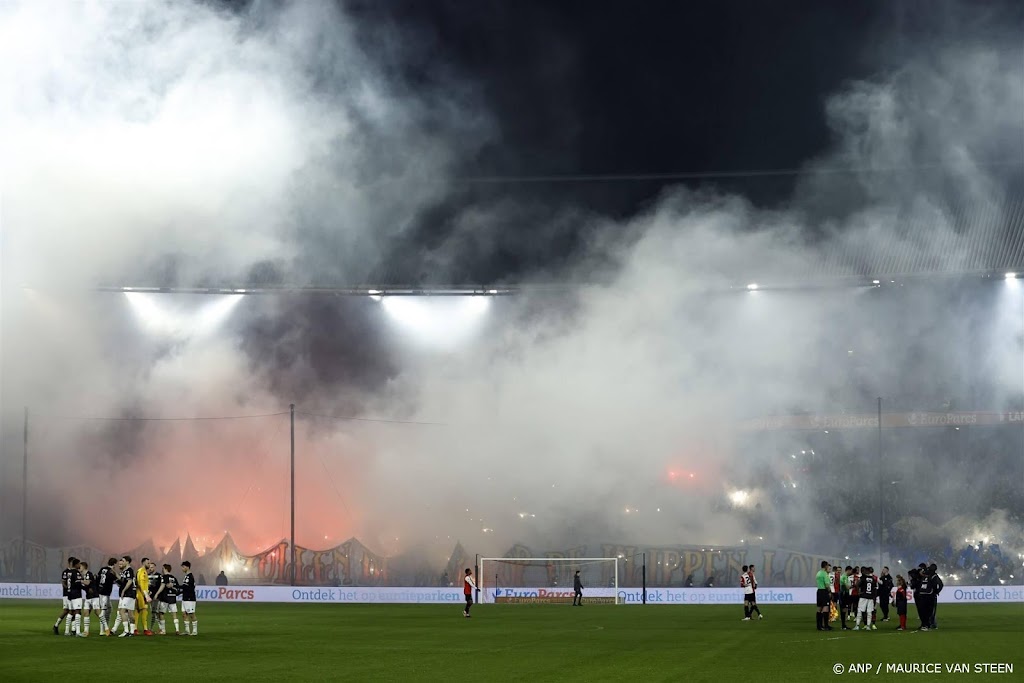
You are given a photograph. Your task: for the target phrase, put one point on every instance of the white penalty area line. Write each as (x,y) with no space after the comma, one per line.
(818,640)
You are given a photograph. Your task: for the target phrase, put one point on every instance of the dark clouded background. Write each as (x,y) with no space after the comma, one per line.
(654,151)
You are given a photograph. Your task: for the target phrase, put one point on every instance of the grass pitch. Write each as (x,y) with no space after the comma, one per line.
(275,642)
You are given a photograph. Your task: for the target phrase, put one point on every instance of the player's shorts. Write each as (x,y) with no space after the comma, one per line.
(171,607)
(65,603)
(188,606)
(104,602)
(76,603)
(822,598)
(866,605)
(93,603)
(751,598)
(126,603)
(158,606)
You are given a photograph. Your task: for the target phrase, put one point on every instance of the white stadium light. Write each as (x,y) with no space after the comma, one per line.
(1011,276)
(439,322)
(752,287)
(214,313)
(159,319)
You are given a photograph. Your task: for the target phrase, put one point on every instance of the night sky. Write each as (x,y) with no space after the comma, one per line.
(716,90)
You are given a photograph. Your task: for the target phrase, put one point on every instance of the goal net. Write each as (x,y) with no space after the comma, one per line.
(548,579)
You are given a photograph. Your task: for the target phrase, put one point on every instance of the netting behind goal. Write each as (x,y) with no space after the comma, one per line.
(510,580)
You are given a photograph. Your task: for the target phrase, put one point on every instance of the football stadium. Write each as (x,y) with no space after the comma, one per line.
(445,342)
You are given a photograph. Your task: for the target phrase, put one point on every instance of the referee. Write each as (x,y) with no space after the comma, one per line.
(823,598)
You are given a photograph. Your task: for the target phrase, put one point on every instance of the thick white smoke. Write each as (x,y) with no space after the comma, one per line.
(176,140)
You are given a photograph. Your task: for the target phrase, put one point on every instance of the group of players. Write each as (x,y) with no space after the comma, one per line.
(86,593)
(860,591)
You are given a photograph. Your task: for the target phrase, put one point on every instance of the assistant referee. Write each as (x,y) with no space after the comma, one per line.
(823,599)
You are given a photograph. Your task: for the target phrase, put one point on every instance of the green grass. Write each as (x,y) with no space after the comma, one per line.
(275,642)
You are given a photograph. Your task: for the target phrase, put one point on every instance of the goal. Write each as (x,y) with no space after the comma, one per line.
(511,580)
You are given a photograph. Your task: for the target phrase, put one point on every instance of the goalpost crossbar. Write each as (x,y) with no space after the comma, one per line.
(607,592)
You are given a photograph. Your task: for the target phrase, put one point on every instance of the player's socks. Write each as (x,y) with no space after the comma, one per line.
(78,623)
(67,625)
(135,627)
(188,627)
(817,618)
(175,624)
(117,624)
(104,627)
(195,627)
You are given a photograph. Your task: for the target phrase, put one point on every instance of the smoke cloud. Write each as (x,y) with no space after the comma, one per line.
(180,144)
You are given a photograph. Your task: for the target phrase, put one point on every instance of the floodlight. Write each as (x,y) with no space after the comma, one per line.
(152,316)
(215,312)
(739,497)
(161,320)
(375,294)
(1011,276)
(440,322)
(752,287)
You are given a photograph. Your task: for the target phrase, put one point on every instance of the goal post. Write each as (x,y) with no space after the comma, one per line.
(512,580)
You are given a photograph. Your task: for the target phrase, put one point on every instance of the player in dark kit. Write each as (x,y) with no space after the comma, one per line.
(822,597)
(926,601)
(91,603)
(126,603)
(868,588)
(105,587)
(885,586)
(933,570)
(167,600)
(154,587)
(916,575)
(76,599)
(188,599)
(65,604)
(577,590)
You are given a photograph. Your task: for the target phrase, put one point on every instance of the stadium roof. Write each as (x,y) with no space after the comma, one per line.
(981,242)
(985,241)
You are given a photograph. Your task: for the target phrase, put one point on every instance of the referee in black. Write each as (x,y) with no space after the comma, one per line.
(577,587)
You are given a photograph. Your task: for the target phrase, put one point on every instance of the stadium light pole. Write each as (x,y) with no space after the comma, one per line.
(881,489)
(24,502)
(292,538)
